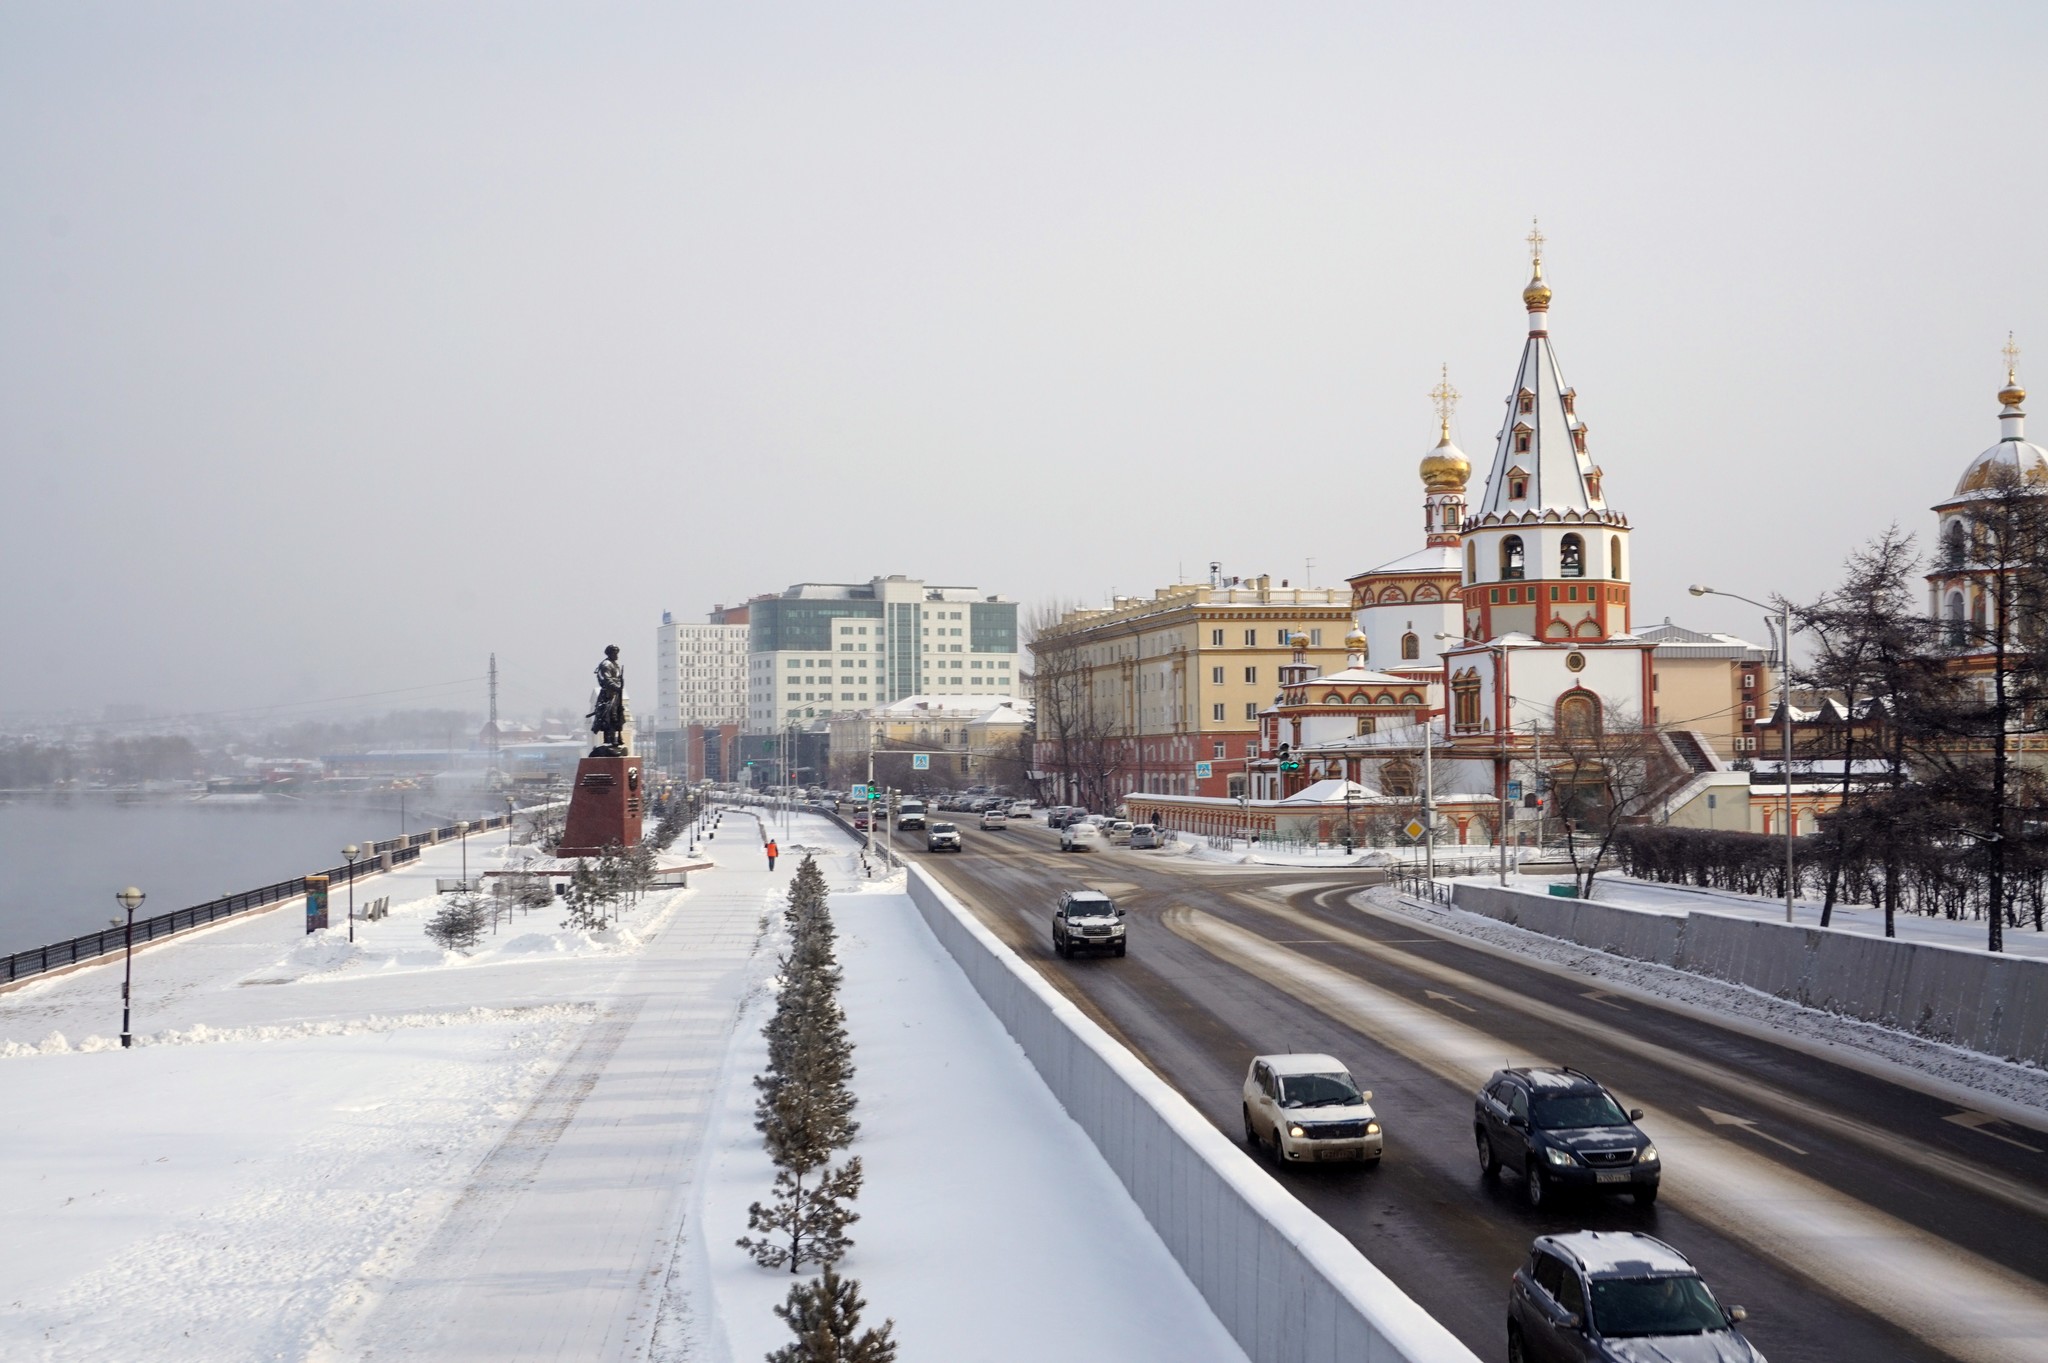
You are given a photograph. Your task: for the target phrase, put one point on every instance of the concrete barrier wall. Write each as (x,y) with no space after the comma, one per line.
(1994,1004)
(1287,1287)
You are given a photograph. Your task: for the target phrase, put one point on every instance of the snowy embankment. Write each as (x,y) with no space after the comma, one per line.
(990,1226)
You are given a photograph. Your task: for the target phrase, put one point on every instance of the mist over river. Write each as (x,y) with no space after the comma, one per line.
(63,858)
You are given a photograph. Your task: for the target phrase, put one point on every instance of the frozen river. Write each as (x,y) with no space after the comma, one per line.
(61,861)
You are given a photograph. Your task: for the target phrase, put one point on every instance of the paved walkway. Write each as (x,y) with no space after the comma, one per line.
(559,1245)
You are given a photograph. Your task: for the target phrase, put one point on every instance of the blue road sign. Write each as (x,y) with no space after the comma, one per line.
(1204,770)
(921,761)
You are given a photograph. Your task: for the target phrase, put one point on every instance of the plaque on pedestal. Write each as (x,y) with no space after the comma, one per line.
(604,807)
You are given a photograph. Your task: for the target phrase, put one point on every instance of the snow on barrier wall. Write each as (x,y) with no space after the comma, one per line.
(1994,1004)
(1287,1287)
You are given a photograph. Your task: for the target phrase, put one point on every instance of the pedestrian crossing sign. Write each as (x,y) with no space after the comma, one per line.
(860,792)
(921,761)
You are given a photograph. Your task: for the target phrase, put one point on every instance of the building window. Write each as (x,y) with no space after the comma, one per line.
(1216,676)
(1216,712)
(1578,713)
(1411,647)
(1521,447)
(1525,403)
(1216,749)
(1511,558)
(1471,563)
(1251,709)
(1251,638)
(1251,676)
(1215,638)
(1398,779)
(1571,557)
(1614,557)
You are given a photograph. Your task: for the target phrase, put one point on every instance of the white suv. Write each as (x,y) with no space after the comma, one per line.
(1305,1108)
(1087,920)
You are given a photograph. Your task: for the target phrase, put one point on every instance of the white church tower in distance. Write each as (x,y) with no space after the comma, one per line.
(1546,564)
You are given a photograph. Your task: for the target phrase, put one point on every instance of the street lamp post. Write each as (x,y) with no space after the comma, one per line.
(349,854)
(131,900)
(462,833)
(1784,613)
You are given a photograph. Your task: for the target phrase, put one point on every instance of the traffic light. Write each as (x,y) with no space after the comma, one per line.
(1287,762)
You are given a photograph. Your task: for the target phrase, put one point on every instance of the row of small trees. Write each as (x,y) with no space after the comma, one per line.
(804,1113)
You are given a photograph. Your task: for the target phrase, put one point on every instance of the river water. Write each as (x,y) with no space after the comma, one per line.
(62,861)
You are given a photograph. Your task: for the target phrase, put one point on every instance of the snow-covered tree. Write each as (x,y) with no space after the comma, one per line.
(458,923)
(824,1315)
(807,1220)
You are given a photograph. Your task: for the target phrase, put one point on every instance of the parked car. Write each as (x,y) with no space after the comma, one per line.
(1082,836)
(942,837)
(1305,1108)
(1144,835)
(1617,1297)
(994,819)
(1119,830)
(1087,920)
(1561,1131)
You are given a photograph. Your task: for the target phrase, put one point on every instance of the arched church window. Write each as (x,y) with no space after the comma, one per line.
(1977,620)
(1471,563)
(1571,557)
(1398,780)
(1578,713)
(1511,558)
(1614,557)
(1954,545)
(1411,647)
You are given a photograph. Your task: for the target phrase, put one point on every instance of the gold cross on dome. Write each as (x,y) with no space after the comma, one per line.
(1535,242)
(2011,351)
(1446,399)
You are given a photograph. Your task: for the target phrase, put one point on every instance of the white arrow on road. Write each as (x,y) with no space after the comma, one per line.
(1730,1119)
(1977,1121)
(1602,996)
(1446,998)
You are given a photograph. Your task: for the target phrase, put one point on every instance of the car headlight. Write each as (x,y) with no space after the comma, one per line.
(1649,1155)
(1295,1131)
(1372,1128)
(1557,1156)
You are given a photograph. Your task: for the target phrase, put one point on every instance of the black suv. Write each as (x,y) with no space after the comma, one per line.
(1617,1297)
(1560,1131)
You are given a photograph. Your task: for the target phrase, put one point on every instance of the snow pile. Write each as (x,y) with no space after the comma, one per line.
(200,1034)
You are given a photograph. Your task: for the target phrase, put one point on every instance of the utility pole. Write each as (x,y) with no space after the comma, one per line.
(1429,796)
(493,745)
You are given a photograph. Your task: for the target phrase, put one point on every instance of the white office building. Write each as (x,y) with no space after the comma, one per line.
(826,648)
(701,674)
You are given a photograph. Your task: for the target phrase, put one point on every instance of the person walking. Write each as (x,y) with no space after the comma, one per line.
(773,852)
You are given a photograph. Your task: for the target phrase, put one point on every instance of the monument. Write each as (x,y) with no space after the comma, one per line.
(606,802)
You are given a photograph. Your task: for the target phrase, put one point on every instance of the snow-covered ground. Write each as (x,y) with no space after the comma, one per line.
(1613,888)
(325,1151)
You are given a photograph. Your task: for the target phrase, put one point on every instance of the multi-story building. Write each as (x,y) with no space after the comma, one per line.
(1132,697)
(701,670)
(826,648)
(1718,686)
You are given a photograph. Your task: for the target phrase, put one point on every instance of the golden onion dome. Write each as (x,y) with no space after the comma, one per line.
(1445,468)
(1298,640)
(1355,640)
(1536,297)
(2012,395)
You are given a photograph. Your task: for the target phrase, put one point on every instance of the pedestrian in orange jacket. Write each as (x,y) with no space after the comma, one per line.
(773,852)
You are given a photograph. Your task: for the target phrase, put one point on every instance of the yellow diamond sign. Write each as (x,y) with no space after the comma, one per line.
(1414,828)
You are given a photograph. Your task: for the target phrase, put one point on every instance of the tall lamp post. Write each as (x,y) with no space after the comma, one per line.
(131,900)
(1784,613)
(349,854)
(462,833)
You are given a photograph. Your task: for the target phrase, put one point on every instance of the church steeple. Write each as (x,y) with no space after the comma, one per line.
(1445,471)
(2012,422)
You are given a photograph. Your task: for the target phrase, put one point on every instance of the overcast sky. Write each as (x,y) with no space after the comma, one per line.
(343,344)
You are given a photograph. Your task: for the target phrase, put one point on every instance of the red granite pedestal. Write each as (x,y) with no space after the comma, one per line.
(604,807)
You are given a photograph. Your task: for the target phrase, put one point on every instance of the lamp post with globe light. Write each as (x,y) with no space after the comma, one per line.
(462,833)
(1783,610)
(349,854)
(131,900)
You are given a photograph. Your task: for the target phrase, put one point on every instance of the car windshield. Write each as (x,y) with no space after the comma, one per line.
(1568,1110)
(1318,1090)
(1675,1305)
(1090,908)
(942,828)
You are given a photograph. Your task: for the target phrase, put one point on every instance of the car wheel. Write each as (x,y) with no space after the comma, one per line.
(1646,1196)
(1516,1354)
(1489,1163)
(1535,1185)
(1279,1150)
(1251,1133)
(1119,948)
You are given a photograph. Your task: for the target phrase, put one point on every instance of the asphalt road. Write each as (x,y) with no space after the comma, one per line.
(1849,1212)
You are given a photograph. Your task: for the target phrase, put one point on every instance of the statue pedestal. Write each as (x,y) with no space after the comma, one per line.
(604,807)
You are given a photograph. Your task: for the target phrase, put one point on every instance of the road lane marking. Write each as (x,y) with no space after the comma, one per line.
(1435,997)
(1746,1124)
(1603,997)
(1978,1178)
(1977,1121)
(1954,1299)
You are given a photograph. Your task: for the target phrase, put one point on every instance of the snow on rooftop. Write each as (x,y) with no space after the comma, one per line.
(1305,1063)
(1621,1252)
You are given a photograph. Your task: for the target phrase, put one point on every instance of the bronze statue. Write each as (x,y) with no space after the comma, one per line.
(608,716)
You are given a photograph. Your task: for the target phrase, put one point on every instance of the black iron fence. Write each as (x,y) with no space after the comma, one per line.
(1419,885)
(37,960)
